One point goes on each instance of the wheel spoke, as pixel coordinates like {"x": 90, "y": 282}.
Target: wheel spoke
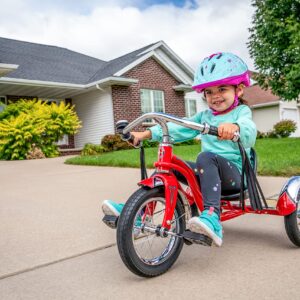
{"x": 153, "y": 249}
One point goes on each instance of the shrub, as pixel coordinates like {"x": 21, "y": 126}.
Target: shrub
{"x": 112, "y": 142}
{"x": 28, "y": 122}
{"x": 190, "y": 142}
{"x": 284, "y": 128}
{"x": 92, "y": 149}
{"x": 272, "y": 134}
{"x": 149, "y": 144}
{"x": 35, "y": 153}
{"x": 261, "y": 135}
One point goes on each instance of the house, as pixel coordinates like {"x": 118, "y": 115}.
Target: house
{"x": 152, "y": 78}
{"x": 268, "y": 109}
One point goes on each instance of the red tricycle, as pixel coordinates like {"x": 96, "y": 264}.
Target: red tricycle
{"x": 152, "y": 227}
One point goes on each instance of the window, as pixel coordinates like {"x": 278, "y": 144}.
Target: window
{"x": 152, "y": 101}
{"x": 190, "y": 107}
{"x": 49, "y": 101}
{"x": 3, "y": 102}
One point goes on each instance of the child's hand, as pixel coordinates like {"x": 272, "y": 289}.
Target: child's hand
{"x": 226, "y": 131}
{"x": 140, "y": 136}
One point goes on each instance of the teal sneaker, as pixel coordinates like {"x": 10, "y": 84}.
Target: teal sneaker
{"x": 208, "y": 223}
{"x": 111, "y": 208}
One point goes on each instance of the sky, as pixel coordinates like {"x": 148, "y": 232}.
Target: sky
{"x": 106, "y": 29}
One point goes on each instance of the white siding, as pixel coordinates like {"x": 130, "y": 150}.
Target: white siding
{"x": 201, "y": 104}
{"x": 266, "y": 117}
{"x": 290, "y": 110}
{"x": 95, "y": 111}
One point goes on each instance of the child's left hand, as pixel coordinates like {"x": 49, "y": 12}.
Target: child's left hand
{"x": 226, "y": 131}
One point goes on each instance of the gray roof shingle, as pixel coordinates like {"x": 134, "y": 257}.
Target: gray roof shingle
{"x": 112, "y": 66}
{"x": 55, "y": 64}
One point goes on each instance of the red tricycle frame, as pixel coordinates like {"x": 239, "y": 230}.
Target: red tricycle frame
{"x": 167, "y": 162}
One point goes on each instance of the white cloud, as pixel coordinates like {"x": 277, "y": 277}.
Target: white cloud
{"x": 107, "y": 29}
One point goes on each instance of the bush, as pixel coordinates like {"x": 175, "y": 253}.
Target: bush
{"x": 92, "y": 149}
{"x": 149, "y": 144}
{"x": 272, "y": 134}
{"x": 35, "y": 153}
{"x": 261, "y": 135}
{"x": 284, "y": 128}
{"x": 29, "y": 122}
{"x": 113, "y": 142}
{"x": 190, "y": 142}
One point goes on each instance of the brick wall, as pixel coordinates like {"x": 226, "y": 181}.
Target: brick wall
{"x": 151, "y": 75}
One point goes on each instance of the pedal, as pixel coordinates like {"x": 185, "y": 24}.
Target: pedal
{"x": 196, "y": 238}
{"x": 111, "y": 221}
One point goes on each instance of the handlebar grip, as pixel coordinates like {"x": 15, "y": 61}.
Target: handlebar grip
{"x": 213, "y": 130}
{"x": 131, "y": 139}
{"x": 128, "y": 137}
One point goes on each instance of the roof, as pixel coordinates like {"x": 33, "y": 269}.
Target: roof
{"x": 255, "y": 95}
{"x": 50, "y": 71}
{"x": 47, "y": 63}
{"x": 112, "y": 66}
{"x": 56, "y": 64}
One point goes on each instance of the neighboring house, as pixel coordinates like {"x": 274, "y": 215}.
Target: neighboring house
{"x": 268, "y": 109}
{"x": 152, "y": 78}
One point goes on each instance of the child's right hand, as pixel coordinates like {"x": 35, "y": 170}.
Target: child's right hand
{"x": 226, "y": 131}
{"x": 140, "y": 136}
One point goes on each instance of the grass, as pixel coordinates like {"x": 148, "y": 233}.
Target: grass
{"x": 276, "y": 157}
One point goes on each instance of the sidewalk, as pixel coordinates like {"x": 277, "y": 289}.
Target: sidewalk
{"x": 53, "y": 244}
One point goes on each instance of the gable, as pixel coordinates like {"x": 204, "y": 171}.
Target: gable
{"x": 173, "y": 64}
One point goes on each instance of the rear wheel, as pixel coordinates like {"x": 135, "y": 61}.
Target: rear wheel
{"x": 143, "y": 251}
{"x": 292, "y": 224}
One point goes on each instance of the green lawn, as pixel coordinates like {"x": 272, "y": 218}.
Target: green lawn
{"x": 276, "y": 157}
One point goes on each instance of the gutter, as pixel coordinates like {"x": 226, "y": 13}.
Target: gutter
{"x": 183, "y": 88}
{"x": 7, "y": 68}
{"x": 274, "y": 103}
{"x": 100, "y": 83}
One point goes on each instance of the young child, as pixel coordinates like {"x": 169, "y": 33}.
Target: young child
{"x": 222, "y": 77}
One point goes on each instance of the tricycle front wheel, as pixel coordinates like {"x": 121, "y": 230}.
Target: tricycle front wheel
{"x": 144, "y": 252}
{"x": 292, "y": 224}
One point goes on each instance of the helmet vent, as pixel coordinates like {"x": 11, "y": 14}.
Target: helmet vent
{"x": 202, "y": 71}
{"x": 219, "y": 56}
{"x": 212, "y": 68}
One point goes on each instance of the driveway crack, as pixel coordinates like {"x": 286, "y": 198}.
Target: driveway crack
{"x": 40, "y": 266}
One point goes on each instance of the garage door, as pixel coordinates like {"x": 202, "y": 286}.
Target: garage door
{"x": 292, "y": 114}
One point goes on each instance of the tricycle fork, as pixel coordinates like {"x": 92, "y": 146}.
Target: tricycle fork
{"x": 170, "y": 183}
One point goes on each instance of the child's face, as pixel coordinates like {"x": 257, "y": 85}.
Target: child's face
{"x": 221, "y": 97}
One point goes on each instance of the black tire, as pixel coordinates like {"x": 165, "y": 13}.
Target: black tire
{"x": 128, "y": 243}
{"x": 292, "y": 224}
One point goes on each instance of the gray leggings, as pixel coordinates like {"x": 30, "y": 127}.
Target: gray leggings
{"x": 217, "y": 176}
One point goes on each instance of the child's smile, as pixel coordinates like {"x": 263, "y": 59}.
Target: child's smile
{"x": 221, "y": 97}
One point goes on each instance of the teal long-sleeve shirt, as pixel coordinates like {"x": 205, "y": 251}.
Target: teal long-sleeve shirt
{"x": 241, "y": 115}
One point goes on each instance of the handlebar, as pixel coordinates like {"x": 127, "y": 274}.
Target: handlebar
{"x": 162, "y": 120}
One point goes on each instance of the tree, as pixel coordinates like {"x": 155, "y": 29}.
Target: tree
{"x": 274, "y": 44}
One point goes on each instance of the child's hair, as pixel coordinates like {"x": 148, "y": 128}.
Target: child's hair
{"x": 243, "y": 101}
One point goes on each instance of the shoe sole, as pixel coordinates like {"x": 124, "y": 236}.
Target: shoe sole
{"x": 108, "y": 209}
{"x": 203, "y": 229}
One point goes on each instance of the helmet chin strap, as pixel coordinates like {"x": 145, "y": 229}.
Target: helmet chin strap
{"x": 233, "y": 105}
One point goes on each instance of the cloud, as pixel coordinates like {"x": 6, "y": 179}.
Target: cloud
{"x": 108, "y": 29}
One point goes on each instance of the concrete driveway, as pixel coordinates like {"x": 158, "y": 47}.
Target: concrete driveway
{"x": 53, "y": 244}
